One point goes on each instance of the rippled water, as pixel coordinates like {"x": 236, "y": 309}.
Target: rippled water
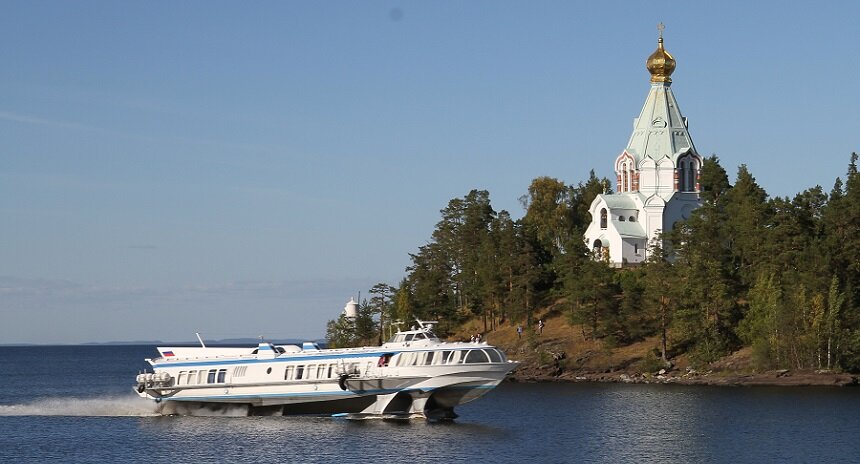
{"x": 75, "y": 405}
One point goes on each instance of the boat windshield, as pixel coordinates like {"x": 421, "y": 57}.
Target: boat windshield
{"x": 414, "y": 336}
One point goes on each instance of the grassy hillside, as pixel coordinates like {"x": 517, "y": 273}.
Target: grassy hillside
{"x": 562, "y": 353}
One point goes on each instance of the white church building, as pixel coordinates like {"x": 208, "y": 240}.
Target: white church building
{"x": 657, "y": 175}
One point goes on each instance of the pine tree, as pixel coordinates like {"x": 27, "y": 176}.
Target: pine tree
{"x": 548, "y": 213}
{"x": 661, "y": 294}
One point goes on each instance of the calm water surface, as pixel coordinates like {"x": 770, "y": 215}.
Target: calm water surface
{"x": 74, "y": 404}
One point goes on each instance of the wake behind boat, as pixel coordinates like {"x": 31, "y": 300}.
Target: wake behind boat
{"x": 412, "y": 375}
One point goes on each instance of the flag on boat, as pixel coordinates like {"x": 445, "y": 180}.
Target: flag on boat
{"x": 167, "y": 353}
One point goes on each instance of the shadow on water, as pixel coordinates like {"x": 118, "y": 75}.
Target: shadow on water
{"x": 321, "y": 439}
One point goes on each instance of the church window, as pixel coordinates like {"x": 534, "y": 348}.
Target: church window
{"x": 682, "y": 176}
{"x": 603, "y": 218}
{"x": 688, "y": 168}
{"x": 689, "y": 176}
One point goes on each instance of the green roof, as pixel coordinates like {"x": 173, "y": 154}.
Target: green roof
{"x": 628, "y": 229}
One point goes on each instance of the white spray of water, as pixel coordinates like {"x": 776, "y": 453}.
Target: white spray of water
{"x": 104, "y": 407}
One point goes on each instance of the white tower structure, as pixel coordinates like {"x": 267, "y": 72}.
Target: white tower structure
{"x": 351, "y": 309}
{"x": 657, "y": 175}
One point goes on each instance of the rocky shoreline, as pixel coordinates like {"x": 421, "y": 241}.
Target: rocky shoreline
{"x": 780, "y": 378}
{"x": 559, "y": 353}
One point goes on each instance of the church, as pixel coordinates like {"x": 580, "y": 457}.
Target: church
{"x": 657, "y": 175}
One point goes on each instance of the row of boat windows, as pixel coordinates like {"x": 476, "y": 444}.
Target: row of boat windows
{"x": 316, "y": 371}
{"x": 201, "y": 377}
{"x": 429, "y": 358}
{"x": 330, "y": 371}
{"x": 412, "y": 337}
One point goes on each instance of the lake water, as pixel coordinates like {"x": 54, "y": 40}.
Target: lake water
{"x": 74, "y": 404}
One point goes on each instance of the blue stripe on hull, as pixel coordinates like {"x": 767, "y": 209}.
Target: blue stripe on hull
{"x": 315, "y": 394}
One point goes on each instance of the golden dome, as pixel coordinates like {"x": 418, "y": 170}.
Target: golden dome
{"x": 661, "y": 63}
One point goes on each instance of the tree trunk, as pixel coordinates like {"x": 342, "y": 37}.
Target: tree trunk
{"x": 484, "y": 313}
{"x": 663, "y": 329}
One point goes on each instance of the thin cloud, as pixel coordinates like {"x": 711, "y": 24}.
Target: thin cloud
{"x": 34, "y": 120}
{"x": 27, "y": 119}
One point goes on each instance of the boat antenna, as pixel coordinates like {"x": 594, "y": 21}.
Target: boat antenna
{"x": 200, "y": 338}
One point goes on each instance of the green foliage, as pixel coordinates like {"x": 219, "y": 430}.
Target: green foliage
{"x": 650, "y": 364}
{"x": 778, "y": 274}
{"x": 761, "y": 328}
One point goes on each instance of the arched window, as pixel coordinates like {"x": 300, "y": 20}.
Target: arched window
{"x": 603, "y": 218}
{"x": 688, "y": 169}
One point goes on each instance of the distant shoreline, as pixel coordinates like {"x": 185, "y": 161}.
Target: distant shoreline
{"x": 777, "y": 378}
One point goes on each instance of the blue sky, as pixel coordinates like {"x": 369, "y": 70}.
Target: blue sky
{"x": 242, "y": 169}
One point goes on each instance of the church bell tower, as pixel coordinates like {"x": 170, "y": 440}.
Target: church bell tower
{"x": 657, "y": 174}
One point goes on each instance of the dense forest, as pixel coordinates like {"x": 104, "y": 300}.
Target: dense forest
{"x": 780, "y": 275}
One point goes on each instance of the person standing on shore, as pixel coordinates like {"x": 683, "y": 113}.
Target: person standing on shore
{"x": 519, "y": 331}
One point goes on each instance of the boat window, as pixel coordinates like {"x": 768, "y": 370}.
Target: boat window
{"x": 288, "y": 373}
{"x": 211, "y": 377}
{"x": 309, "y": 372}
{"x": 222, "y": 375}
{"x": 454, "y": 358}
{"x": 419, "y": 336}
{"x": 494, "y": 355}
{"x": 431, "y": 335}
{"x": 192, "y": 377}
{"x": 299, "y": 371}
{"x": 181, "y": 378}
{"x": 321, "y": 371}
{"x": 428, "y": 360}
{"x": 477, "y": 356}
{"x": 443, "y": 358}
{"x": 409, "y": 337}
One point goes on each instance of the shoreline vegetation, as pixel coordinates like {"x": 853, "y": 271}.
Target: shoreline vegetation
{"x": 749, "y": 290}
{"x": 558, "y": 355}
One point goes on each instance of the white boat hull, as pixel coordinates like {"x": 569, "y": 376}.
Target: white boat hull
{"x": 425, "y": 378}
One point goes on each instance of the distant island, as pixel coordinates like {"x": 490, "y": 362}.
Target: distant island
{"x": 683, "y": 276}
{"x": 749, "y": 287}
